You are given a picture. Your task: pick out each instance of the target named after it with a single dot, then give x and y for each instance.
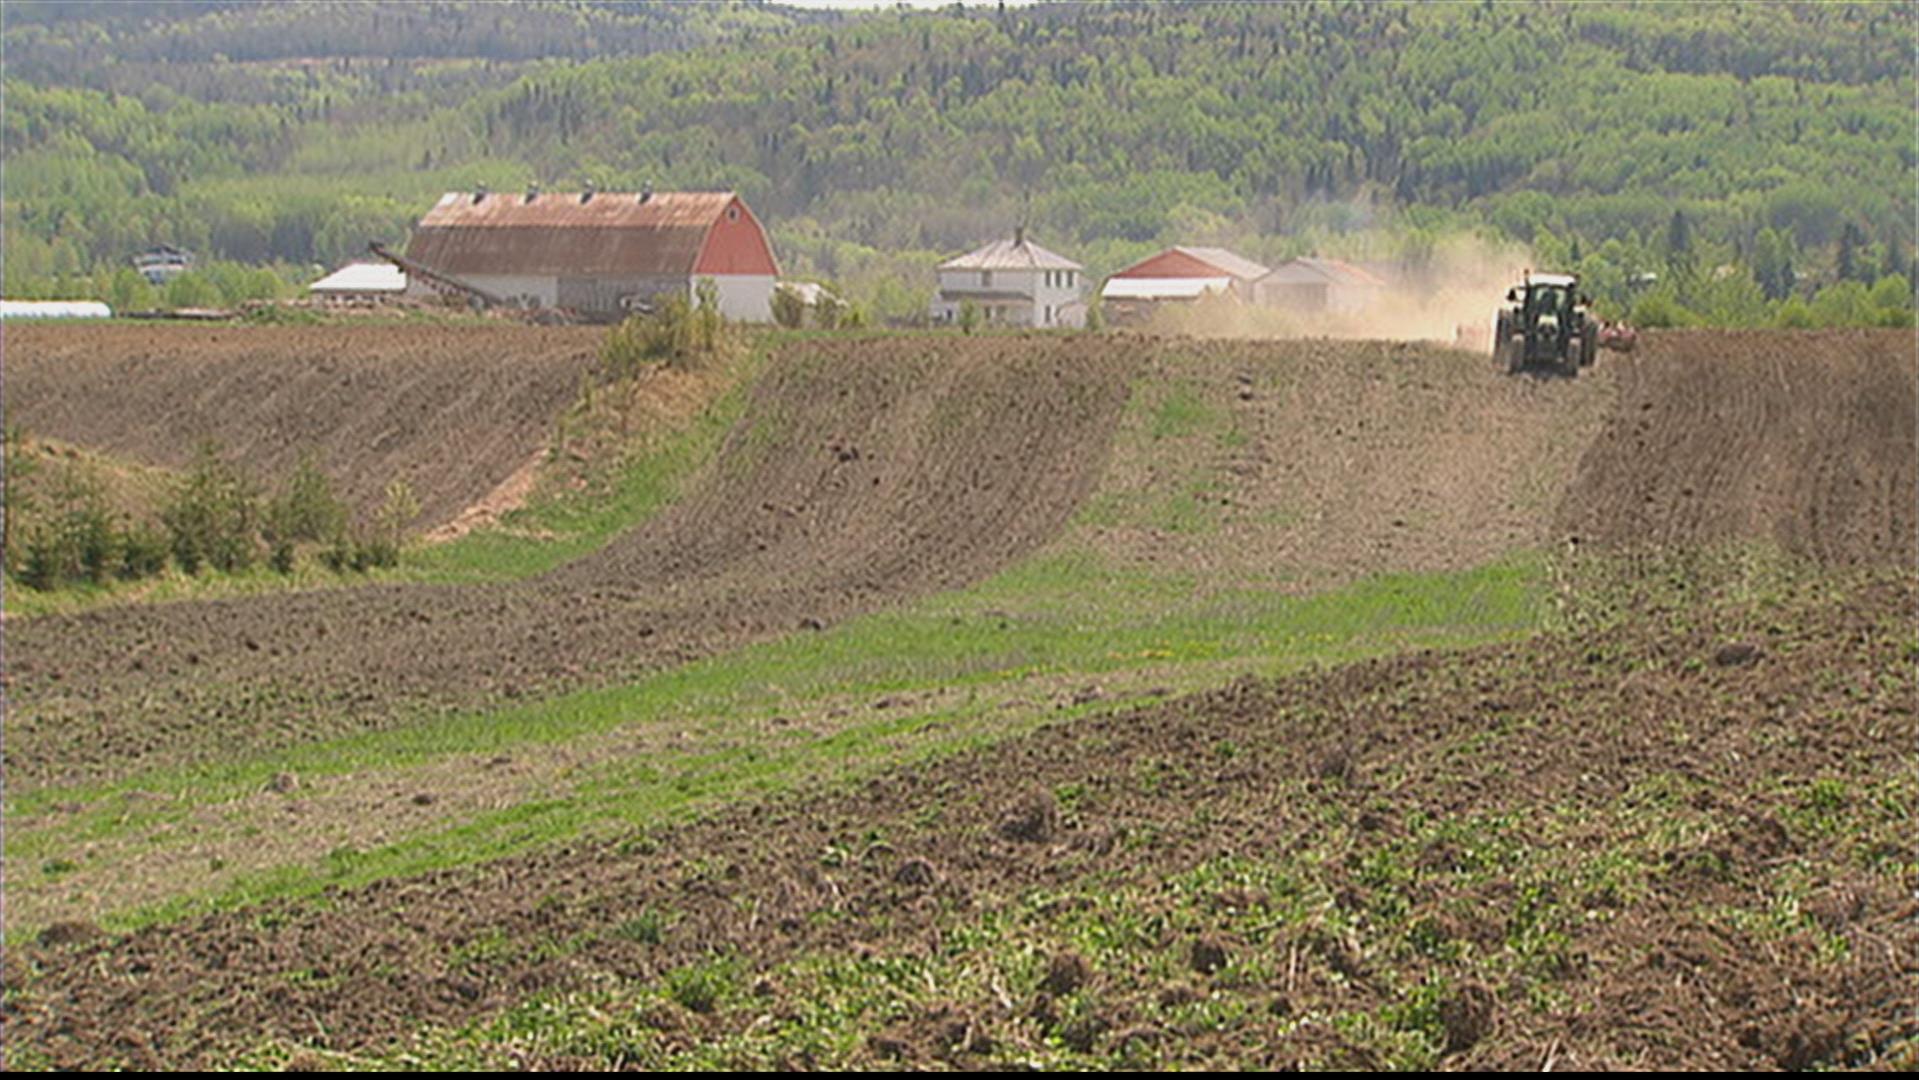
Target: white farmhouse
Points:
(1012, 283)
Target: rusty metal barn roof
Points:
(610, 233)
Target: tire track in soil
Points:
(864, 473)
(377, 963)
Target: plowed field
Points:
(854, 480)
(1673, 834)
(1417, 823)
(1798, 439)
(451, 410)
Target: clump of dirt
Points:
(1033, 819)
(1467, 1015)
(1066, 973)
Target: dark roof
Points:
(562, 232)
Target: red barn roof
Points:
(604, 234)
(1194, 262)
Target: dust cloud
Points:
(1449, 297)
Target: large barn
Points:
(600, 252)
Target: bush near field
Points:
(64, 528)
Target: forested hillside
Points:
(1681, 140)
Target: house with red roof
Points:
(1178, 275)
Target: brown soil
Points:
(1309, 464)
(1694, 972)
(864, 472)
(871, 471)
(1802, 439)
(452, 410)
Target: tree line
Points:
(876, 145)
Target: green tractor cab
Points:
(1546, 326)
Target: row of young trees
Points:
(67, 532)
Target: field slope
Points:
(1093, 701)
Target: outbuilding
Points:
(54, 309)
(1178, 275)
(360, 282)
(600, 253)
(1320, 285)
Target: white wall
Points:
(743, 297)
(1047, 300)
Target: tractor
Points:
(1546, 326)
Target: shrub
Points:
(15, 502)
(337, 556)
(1793, 315)
(968, 316)
(789, 308)
(306, 509)
(1659, 309)
(280, 554)
(143, 552)
(77, 541)
(389, 528)
(214, 516)
(48, 563)
(708, 324)
(674, 335)
(828, 310)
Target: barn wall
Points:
(603, 294)
(736, 246)
(543, 288)
(745, 297)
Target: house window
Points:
(732, 213)
(985, 279)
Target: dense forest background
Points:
(1737, 163)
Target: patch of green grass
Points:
(1050, 618)
(1181, 412)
